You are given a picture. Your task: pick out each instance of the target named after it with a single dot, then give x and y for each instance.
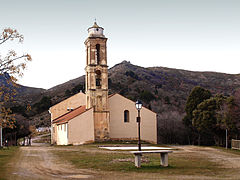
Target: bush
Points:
(68, 93)
(77, 89)
(147, 96)
(132, 74)
(19, 109)
(44, 104)
(167, 100)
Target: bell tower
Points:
(96, 81)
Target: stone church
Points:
(97, 116)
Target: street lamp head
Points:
(138, 105)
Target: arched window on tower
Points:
(98, 82)
(97, 54)
(98, 78)
(126, 116)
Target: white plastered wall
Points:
(81, 128)
(62, 134)
(128, 130)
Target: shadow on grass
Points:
(152, 168)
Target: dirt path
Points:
(38, 162)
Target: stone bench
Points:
(163, 156)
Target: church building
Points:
(96, 115)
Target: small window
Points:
(126, 116)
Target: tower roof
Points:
(95, 31)
(95, 25)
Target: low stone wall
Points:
(235, 144)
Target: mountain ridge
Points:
(81, 78)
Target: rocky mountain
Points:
(164, 90)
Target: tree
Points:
(213, 116)
(9, 64)
(228, 117)
(197, 95)
(11, 67)
(204, 117)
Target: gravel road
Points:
(38, 162)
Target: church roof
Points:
(70, 115)
(111, 95)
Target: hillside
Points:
(24, 93)
(164, 90)
(130, 80)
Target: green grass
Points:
(103, 160)
(5, 157)
(232, 151)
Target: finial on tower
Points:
(95, 30)
(95, 24)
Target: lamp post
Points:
(139, 107)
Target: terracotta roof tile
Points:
(111, 95)
(70, 115)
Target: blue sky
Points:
(198, 35)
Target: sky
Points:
(196, 35)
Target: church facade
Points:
(96, 116)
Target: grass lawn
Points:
(5, 157)
(229, 150)
(91, 157)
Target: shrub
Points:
(147, 96)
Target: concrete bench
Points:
(163, 156)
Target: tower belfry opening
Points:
(98, 54)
